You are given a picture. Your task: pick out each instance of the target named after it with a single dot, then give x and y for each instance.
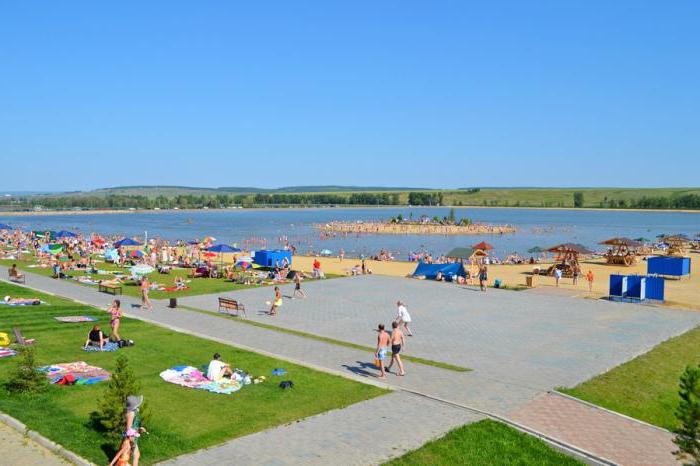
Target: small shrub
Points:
(26, 378)
(688, 414)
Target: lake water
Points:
(537, 227)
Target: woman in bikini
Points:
(116, 315)
(277, 302)
(397, 344)
(145, 300)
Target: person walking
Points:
(277, 301)
(483, 278)
(115, 313)
(380, 352)
(342, 254)
(297, 286)
(145, 300)
(403, 318)
(133, 425)
(589, 279)
(577, 273)
(397, 344)
(557, 276)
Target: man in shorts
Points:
(380, 353)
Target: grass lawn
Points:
(485, 442)
(646, 387)
(184, 419)
(196, 286)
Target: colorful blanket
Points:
(109, 346)
(6, 352)
(81, 372)
(75, 319)
(188, 376)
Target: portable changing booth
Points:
(636, 288)
(268, 258)
(669, 266)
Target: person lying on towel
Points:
(21, 301)
(218, 369)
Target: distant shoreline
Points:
(42, 213)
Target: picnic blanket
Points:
(6, 352)
(81, 372)
(191, 377)
(109, 346)
(75, 319)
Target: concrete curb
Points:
(50, 445)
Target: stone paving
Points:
(597, 430)
(565, 338)
(18, 450)
(365, 433)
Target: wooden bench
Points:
(226, 305)
(109, 288)
(16, 278)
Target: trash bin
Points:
(529, 280)
(173, 303)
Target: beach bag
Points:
(286, 384)
(4, 339)
(376, 362)
(67, 379)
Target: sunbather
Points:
(96, 338)
(14, 273)
(21, 301)
(218, 369)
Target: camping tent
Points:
(268, 258)
(430, 271)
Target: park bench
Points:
(14, 277)
(109, 288)
(226, 305)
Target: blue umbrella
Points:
(126, 242)
(222, 248)
(65, 234)
(5, 226)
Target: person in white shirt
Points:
(403, 317)
(218, 369)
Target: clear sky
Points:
(394, 93)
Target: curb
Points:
(50, 445)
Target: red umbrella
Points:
(484, 246)
(209, 254)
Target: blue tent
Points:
(65, 234)
(267, 258)
(126, 242)
(430, 271)
(222, 248)
(5, 226)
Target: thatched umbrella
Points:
(623, 251)
(484, 246)
(569, 251)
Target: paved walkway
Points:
(611, 436)
(18, 450)
(483, 389)
(363, 434)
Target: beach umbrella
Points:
(222, 248)
(209, 254)
(53, 249)
(136, 253)
(484, 246)
(642, 239)
(244, 264)
(126, 242)
(5, 226)
(65, 234)
(536, 250)
(141, 269)
(111, 254)
(326, 252)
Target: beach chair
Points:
(21, 341)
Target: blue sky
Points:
(395, 93)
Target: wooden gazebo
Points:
(567, 256)
(623, 251)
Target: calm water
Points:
(542, 228)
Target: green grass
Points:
(197, 286)
(184, 419)
(485, 442)
(299, 333)
(646, 387)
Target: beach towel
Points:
(171, 289)
(191, 377)
(81, 373)
(23, 303)
(109, 346)
(6, 352)
(75, 319)
(86, 280)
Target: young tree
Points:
(110, 413)
(578, 199)
(451, 217)
(26, 378)
(688, 414)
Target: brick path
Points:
(18, 450)
(630, 330)
(610, 436)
